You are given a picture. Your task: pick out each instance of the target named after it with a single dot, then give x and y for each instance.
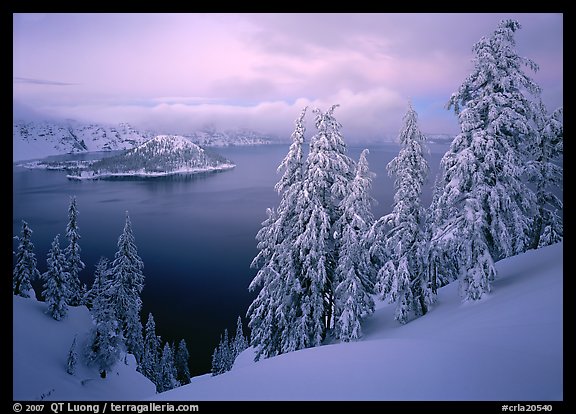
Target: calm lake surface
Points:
(195, 234)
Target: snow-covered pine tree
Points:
(216, 361)
(106, 339)
(487, 204)
(223, 356)
(327, 178)
(403, 277)
(102, 278)
(181, 363)
(25, 270)
(274, 311)
(56, 280)
(149, 366)
(546, 172)
(72, 359)
(125, 287)
(354, 287)
(226, 352)
(167, 377)
(74, 264)
(240, 343)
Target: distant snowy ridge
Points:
(213, 138)
(507, 347)
(39, 139)
(160, 156)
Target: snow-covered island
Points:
(161, 156)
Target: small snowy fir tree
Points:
(149, 366)
(56, 280)
(25, 270)
(72, 359)
(488, 206)
(403, 277)
(546, 172)
(125, 288)
(181, 362)
(223, 357)
(240, 343)
(101, 280)
(167, 374)
(74, 264)
(353, 285)
(106, 340)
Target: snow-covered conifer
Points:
(403, 277)
(106, 339)
(56, 280)
(181, 363)
(149, 366)
(125, 287)
(74, 264)
(353, 298)
(102, 278)
(240, 343)
(25, 270)
(487, 205)
(167, 377)
(273, 312)
(546, 172)
(223, 356)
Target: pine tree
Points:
(106, 339)
(150, 364)
(125, 288)
(167, 374)
(25, 270)
(298, 254)
(216, 361)
(326, 181)
(102, 279)
(353, 298)
(72, 359)
(56, 280)
(74, 264)
(273, 312)
(546, 173)
(223, 357)
(181, 362)
(240, 343)
(487, 203)
(403, 277)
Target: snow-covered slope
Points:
(38, 139)
(41, 346)
(162, 155)
(506, 347)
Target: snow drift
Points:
(41, 346)
(506, 347)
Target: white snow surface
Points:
(508, 346)
(41, 346)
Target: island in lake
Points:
(160, 156)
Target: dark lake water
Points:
(195, 234)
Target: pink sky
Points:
(178, 72)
